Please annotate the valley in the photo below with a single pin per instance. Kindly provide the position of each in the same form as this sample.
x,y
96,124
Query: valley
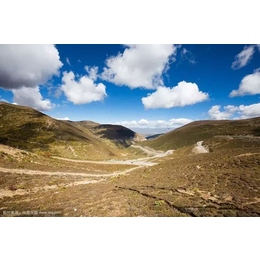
x,y
205,168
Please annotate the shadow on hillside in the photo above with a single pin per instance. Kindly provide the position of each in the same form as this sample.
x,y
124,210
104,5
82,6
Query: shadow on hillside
x,y
116,133
256,131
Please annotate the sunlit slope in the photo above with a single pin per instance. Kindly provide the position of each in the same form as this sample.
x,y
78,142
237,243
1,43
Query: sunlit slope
x,y
26,128
202,130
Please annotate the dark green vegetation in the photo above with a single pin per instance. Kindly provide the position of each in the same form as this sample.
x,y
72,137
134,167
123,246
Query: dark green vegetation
x,y
202,130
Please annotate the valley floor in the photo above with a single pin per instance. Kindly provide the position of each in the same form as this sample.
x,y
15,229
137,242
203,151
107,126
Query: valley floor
x,y
222,180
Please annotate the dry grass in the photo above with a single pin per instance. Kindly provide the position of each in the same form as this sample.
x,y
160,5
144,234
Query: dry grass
x,y
221,183
203,130
28,129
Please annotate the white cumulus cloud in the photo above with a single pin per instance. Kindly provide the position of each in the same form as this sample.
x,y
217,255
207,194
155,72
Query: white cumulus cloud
x,y
140,65
216,114
249,111
92,72
185,93
23,67
153,124
250,85
242,58
31,97
83,90
27,65
240,112
62,118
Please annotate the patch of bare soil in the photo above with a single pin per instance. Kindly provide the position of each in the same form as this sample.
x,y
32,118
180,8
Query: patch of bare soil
x,y
199,148
247,154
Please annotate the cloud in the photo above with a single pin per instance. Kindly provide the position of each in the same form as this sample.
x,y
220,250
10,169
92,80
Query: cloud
x,y
68,61
31,97
83,90
27,65
216,114
242,58
92,72
185,93
249,111
229,111
63,118
250,85
144,123
187,55
57,93
140,65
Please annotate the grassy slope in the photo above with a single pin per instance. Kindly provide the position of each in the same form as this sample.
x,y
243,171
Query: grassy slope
x,y
202,130
29,129
117,135
224,182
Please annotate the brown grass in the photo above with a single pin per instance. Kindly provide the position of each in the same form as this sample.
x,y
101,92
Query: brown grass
x,y
220,183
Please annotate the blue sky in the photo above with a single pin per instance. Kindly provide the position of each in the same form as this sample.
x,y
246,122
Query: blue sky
x,y
208,69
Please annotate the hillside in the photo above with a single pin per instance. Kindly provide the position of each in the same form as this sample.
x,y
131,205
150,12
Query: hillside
x,y
117,134
202,130
26,128
223,182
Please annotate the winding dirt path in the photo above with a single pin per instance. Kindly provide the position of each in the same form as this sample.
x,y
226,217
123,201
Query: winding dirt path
x,y
146,161
139,163
147,150
103,177
32,172
200,148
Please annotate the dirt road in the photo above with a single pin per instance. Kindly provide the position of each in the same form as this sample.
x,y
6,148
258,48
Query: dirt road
x,y
138,162
90,178
152,152
200,148
146,161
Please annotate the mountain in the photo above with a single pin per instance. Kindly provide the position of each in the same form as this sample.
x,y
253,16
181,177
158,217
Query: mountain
x,y
202,130
26,128
117,134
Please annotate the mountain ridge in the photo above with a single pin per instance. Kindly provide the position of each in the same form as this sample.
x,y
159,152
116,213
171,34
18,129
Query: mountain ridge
x,y
201,130
29,129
